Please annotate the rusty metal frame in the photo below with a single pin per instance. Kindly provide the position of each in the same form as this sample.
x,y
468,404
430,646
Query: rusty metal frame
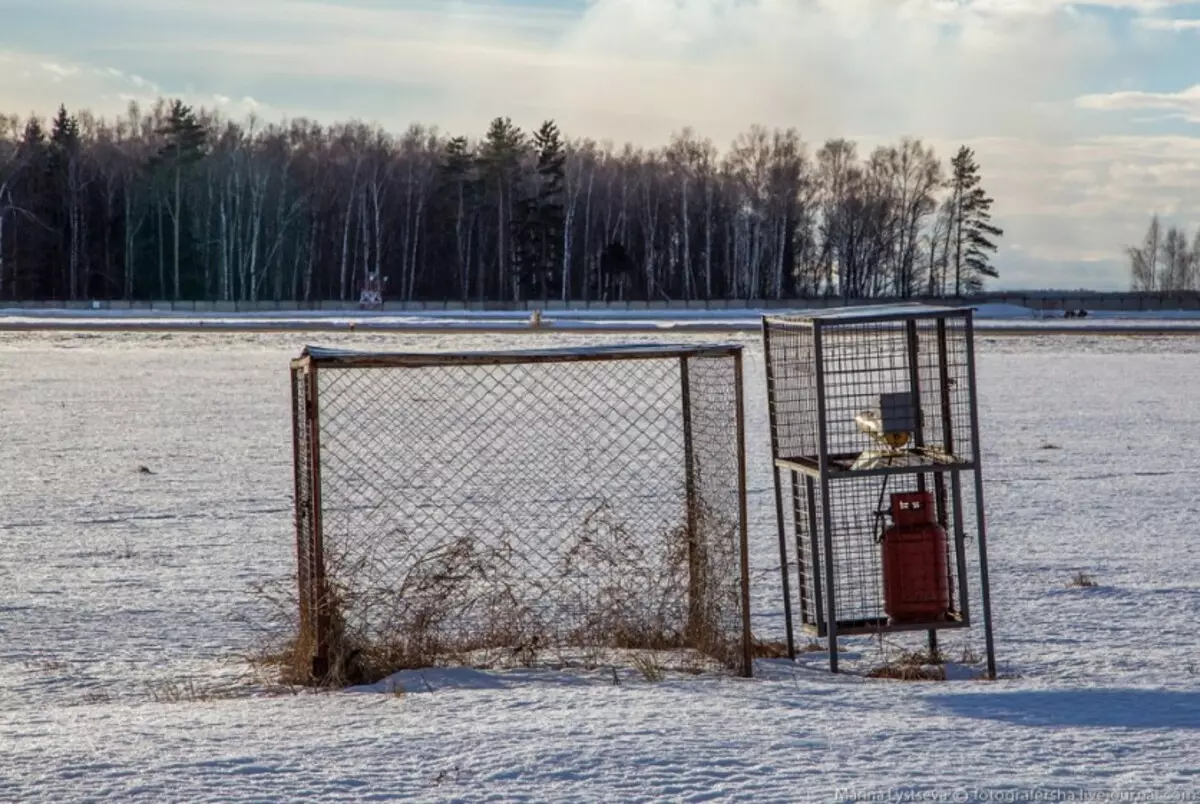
x,y
314,594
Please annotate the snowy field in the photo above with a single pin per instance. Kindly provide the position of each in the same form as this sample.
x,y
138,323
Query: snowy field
x,y
995,318
128,607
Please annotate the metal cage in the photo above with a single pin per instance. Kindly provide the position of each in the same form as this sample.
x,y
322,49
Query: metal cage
x,y
865,402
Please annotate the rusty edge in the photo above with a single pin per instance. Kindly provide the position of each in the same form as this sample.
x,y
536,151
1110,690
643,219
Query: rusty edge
x,y
410,360
743,515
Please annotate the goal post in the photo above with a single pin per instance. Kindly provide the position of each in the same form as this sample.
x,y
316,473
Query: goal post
x,y
477,507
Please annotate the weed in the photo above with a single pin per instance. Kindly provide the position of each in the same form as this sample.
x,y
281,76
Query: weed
x,y
47,666
648,665
171,691
1081,580
908,672
769,650
911,666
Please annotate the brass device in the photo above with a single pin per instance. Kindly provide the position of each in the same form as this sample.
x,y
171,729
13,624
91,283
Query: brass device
x,y
891,423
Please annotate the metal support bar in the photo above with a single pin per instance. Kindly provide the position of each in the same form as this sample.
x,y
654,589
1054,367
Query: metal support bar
x,y
985,596
826,516
744,530
319,588
782,527
695,557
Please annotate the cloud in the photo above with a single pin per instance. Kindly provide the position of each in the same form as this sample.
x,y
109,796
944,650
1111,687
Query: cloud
x,y
42,83
1164,24
1020,80
633,69
1185,103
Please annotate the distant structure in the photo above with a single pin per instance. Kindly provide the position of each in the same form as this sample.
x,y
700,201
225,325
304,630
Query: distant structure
x,y
371,297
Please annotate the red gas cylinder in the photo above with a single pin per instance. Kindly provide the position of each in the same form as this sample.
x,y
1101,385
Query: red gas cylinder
x,y
916,588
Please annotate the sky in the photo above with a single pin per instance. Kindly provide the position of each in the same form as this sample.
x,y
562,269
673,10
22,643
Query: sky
x,y
1084,117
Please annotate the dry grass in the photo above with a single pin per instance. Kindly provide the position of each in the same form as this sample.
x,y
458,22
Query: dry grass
x,y
187,691
461,603
1082,580
906,672
970,656
649,666
769,650
911,666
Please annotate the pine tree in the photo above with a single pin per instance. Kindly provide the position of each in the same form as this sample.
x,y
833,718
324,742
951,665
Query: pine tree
x,y
550,215
971,231
184,146
65,176
500,159
461,192
33,271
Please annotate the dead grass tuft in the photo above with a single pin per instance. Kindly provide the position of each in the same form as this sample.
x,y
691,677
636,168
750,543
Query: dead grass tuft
x,y
462,603
918,665
649,666
904,672
187,691
769,650
1082,580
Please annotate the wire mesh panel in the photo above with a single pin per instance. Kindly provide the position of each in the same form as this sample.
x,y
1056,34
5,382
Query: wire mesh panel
x,y
859,365
473,505
873,416
857,508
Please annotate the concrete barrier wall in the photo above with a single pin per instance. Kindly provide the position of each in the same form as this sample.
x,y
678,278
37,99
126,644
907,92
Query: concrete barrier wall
x,y
1038,300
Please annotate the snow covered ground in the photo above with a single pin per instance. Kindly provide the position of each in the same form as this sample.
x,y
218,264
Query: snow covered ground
x,y
128,606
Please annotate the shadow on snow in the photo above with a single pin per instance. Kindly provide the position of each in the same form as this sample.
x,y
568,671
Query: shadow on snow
x,y
1111,708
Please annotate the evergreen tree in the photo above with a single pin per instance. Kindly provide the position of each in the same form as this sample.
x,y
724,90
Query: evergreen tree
x,y
65,177
183,147
461,192
971,231
500,160
551,216
32,246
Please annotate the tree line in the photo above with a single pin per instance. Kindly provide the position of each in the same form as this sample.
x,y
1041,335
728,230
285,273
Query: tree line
x,y
177,203
1166,260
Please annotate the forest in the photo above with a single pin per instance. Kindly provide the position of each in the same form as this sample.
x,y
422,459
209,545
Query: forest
x,y
177,203
1166,260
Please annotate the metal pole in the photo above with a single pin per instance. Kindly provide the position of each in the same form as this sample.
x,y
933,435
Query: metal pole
x,y
985,597
744,531
826,515
300,470
914,380
695,564
781,525
960,553
814,532
320,662
798,533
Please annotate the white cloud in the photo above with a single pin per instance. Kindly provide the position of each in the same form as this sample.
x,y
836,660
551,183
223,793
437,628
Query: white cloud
x,y
1169,24
1015,78
99,89
1186,102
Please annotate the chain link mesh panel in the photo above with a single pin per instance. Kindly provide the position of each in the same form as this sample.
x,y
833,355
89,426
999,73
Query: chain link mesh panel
x,y
575,501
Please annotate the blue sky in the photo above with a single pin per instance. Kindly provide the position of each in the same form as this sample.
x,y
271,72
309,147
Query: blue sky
x,y
1085,116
